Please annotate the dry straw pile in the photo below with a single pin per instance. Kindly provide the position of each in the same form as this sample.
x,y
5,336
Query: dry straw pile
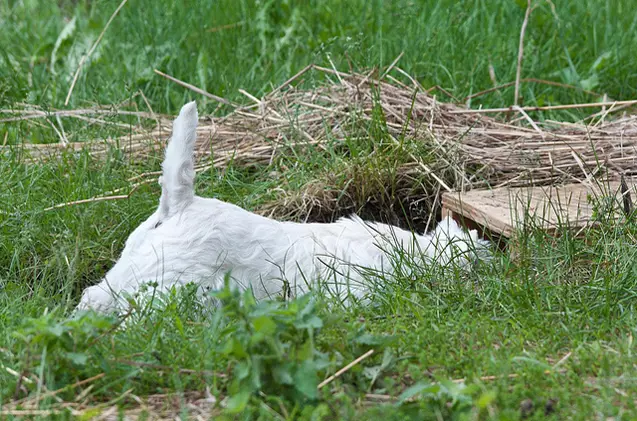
x,y
471,149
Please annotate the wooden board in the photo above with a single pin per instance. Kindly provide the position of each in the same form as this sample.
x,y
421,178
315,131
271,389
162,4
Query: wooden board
x,y
504,209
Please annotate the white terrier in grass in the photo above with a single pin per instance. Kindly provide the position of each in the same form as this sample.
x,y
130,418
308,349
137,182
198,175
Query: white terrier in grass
x,y
196,239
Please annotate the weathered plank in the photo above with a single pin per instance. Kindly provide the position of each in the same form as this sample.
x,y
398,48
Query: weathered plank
x,y
503,210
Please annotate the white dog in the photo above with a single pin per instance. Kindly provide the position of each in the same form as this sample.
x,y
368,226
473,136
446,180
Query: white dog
x,y
195,239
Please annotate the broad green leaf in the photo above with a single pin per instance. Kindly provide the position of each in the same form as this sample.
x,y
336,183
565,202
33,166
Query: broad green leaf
x,y
238,402
281,374
313,322
57,330
590,83
180,326
77,357
601,61
306,380
242,370
372,340
264,325
305,351
90,414
486,398
234,347
417,389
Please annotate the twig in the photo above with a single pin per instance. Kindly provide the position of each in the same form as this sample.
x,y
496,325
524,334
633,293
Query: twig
x,y
36,114
292,79
336,72
443,90
65,141
531,80
18,375
544,108
98,198
563,359
86,56
195,89
518,69
94,199
391,66
91,200
62,389
603,113
344,369
31,412
150,109
530,120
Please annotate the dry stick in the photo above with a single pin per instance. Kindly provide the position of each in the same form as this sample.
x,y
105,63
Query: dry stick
x,y
530,120
531,80
195,89
292,79
603,113
18,375
331,71
544,108
91,200
408,76
336,72
86,56
253,98
102,122
443,90
31,412
391,66
152,112
563,359
30,115
65,141
94,199
518,70
344,369
62,389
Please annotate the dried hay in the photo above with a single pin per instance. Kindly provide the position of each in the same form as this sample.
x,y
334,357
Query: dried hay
x,y
469,148
158,407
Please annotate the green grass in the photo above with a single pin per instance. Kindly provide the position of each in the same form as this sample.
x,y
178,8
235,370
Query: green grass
x,y
513,320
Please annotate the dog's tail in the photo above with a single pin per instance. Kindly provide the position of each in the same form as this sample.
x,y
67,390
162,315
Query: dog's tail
x,y
177,180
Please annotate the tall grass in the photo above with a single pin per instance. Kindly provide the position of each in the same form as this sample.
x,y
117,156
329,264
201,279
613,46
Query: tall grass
x,y
225,45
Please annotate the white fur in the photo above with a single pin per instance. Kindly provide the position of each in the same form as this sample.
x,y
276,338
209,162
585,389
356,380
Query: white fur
x,y
195,239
